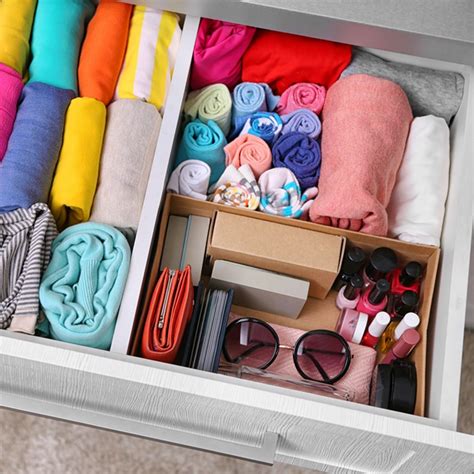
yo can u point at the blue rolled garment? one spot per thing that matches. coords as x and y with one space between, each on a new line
27 169
303 121
56 40
204 142
265 125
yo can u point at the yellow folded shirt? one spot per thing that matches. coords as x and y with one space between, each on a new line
77 172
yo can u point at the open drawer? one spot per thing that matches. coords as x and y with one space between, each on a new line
242 418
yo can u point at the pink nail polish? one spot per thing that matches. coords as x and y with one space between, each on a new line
403 346
375 299
349 295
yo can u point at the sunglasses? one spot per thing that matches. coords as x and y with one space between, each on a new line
319 355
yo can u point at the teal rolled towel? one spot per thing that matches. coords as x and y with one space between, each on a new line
82 287
56 40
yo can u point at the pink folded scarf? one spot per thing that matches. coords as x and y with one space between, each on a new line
302 96
366 121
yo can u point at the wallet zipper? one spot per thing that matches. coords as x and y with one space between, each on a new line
161 321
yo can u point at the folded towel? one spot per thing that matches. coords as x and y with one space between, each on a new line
366 122
302 96
281 194
266 125
430 92
75 179
249 150
218 53
211 103
129 146
249 98
302 121
34 145
58 31
283 59
236 188
26 236
10 90
151 56
190 178
204 142
416 209
103 50
82 287
300 154
16 19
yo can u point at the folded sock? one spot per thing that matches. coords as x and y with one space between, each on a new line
75 179
302 96
366 122
429 91
103 50
265 125
218 53
25 244
10 90
416 209
82 287
129 146
190 178
302 121
33 149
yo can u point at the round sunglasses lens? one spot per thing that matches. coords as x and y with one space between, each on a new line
321 357
249 343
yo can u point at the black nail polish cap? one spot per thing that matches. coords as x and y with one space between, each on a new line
354 260
382 261
378 292
411 273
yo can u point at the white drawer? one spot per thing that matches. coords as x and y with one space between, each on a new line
247 419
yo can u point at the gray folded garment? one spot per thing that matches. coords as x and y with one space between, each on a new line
430 92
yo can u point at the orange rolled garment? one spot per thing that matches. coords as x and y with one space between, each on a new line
103 50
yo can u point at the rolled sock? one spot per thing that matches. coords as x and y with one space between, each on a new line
366 122
416 209
34 145
103 50
430 92
300 154
266 125
82 287
190 178
75 179
218 53
10 90
58 31
302 121
249 150
211 103
204 142
129 146
302 96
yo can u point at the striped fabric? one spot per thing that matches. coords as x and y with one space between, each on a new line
151 55
26 236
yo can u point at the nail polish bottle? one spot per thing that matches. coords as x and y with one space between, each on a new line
352 264
376 329
349 295
396 329
382 261
403 346
406 278
374 299
406 303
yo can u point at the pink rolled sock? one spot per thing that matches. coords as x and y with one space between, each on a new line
10 90
302 96
366 121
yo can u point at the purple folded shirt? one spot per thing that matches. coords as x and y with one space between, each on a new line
303 121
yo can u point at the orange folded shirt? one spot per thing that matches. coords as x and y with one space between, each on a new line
103 50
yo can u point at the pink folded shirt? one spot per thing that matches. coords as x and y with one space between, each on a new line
302 96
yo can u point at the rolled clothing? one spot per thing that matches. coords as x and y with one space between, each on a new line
34 145
204 142
82 287
249 150
236 188
16 20
283 59
302 121
304 95
218 52
75 180
281 194
416 208
366 122
150 58
58 32
265 125
103 50
11 86
430 91
26 236
128 150
300 154
190 178
211 103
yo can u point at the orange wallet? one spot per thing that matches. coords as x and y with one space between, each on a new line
168 315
